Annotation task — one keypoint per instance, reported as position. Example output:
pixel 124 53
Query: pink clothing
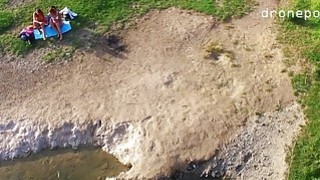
pixel 27 30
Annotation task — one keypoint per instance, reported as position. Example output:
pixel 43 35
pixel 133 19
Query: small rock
pixel 239 168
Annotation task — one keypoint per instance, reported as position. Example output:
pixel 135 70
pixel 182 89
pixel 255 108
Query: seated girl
pixel 39 21
pixel 27 34
pixel 56 20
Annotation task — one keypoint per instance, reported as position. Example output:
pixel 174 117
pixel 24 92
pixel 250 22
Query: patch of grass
pixel 99 15
pixel 302 83
pixel 302 38
pixel 3 3
pixel 213 50
pixel 6 20
pixel 306 156
pixel 214 47
pixel 59 54
pixel 13 45
pixel 290 73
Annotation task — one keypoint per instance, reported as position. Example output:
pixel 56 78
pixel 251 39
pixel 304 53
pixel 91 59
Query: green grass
pixel 3 3
pixel 302 84
pixel 306 156
pixel 302 38
pixel 99 15
pixel 6 20
pixel 62 53
pixel 13 45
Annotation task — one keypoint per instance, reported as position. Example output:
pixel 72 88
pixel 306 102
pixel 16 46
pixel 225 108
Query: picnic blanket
pixel 50 32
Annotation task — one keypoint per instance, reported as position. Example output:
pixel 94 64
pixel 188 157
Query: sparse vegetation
pixel 268 56
pixel 302 39
pixel 213 50
pixel 13 45
pixel 59 54
pixel 235 65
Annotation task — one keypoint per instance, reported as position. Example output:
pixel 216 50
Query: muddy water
pixel 93 164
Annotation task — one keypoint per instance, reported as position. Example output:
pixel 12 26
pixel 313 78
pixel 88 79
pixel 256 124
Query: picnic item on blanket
pixel 68 14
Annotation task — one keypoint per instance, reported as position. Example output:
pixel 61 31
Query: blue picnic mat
pixel 51 32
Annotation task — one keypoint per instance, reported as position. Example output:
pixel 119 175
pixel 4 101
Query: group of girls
pixel 54 19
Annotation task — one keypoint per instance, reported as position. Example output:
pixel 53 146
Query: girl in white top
pixel 56 21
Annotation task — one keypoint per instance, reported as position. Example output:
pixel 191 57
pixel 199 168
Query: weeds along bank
pixel 302 39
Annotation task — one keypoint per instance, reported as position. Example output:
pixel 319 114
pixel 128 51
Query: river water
pixel 66 164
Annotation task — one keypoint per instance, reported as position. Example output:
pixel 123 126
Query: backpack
pixel 27 34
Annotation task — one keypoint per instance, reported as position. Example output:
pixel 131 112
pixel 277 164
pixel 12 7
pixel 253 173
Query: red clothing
pixel 40 17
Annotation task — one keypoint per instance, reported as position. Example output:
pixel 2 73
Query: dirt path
pixel 161 104
pixel 259 149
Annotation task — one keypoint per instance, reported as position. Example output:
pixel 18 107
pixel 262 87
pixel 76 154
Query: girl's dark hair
pixel 52 10
pixel 39 11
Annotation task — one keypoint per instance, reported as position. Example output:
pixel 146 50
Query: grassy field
pixel 98 15
pixel 302 39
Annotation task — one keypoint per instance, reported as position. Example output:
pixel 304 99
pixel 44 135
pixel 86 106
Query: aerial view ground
pixel 171 89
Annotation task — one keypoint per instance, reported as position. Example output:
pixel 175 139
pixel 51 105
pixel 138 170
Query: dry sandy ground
pixel 161 104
